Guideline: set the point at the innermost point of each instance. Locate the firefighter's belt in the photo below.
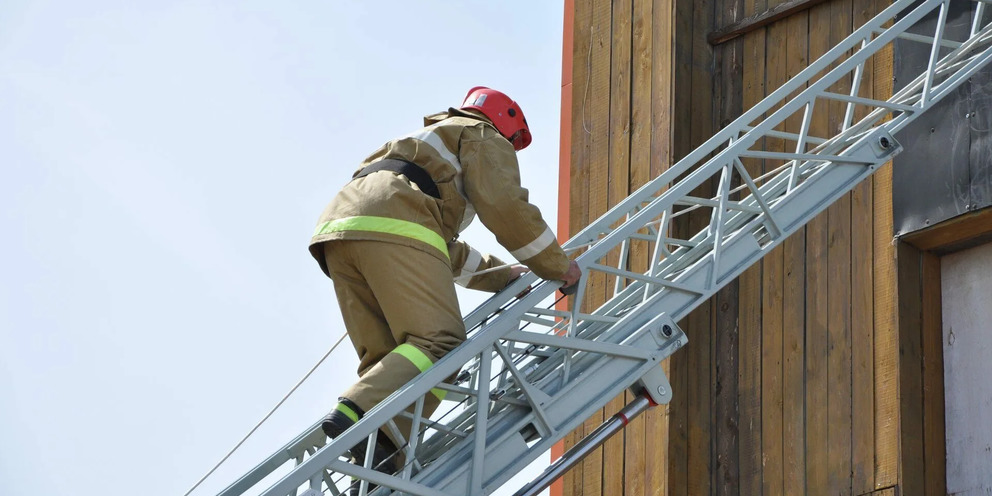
(416, 174)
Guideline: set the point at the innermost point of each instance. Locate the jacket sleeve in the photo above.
(492, 185)
(465, 260)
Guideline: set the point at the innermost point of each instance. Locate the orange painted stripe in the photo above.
(564, 173)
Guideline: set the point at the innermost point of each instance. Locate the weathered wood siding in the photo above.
(790, 382)
(619, 98)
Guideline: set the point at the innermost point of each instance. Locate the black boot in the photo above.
(383, 459)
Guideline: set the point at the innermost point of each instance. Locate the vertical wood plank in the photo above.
(817, 270)
(886, 338)
(839, 343)
(886, 361)
(771, 369)
(862, 351)
(594, 122)
(776, 74)
(700, 361)
(635, 471)
(658, 420)
(582, 52)
(678, 463)
(617, 189)
(934, 432)
(910, 298)
(863, 305)
(726, 474)
(726, 464)
(839, 293)
(750, 295)
(564, 186)
(662, 75)
(794, 298)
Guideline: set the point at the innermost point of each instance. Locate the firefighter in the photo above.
(388, 242)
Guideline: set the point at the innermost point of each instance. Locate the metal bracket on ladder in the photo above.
(530, 373)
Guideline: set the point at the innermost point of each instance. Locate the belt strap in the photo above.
(416, 174)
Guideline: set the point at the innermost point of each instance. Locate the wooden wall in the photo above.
(790, 382)
(619, 137)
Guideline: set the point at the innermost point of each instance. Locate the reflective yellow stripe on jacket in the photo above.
(384, 225)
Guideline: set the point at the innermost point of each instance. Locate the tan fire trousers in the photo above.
(401, 311)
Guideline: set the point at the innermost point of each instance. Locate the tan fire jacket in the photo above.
(476, 172)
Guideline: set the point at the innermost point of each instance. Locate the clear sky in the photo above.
(163, 166)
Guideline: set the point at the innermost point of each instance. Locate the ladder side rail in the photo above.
(312, 437)
(494, 303)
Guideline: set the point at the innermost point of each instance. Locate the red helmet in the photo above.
(505, 114)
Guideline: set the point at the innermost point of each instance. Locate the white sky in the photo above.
(163, 165)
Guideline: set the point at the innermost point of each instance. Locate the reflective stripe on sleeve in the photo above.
(384, 225)
(534, 247)
(421, 361)
(472, 263)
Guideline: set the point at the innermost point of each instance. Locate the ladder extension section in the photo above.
(529, 373)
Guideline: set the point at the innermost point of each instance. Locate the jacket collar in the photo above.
(453, 112)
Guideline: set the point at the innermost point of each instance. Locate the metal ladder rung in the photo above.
(643, 277)
(927, 40)
(709, 202)
(870, 102)
(582, 316)
(809, 157)
(790, 136)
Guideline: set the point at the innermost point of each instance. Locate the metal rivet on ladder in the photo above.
(667, 331)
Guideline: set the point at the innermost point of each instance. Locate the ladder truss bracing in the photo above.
(530, 373)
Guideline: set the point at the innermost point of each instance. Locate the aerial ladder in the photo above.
(529, 372)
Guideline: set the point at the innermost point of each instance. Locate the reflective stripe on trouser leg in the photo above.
(385, 377)
(405, 292)
(348, 412)
(422, 361)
